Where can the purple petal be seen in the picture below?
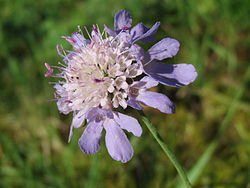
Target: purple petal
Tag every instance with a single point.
(123, 20)
(89, 142)
(165, 48)
(134, 104)
(92, 113)
(128, 123)
(111, 32)
(77, 40)
(78, 119)
(76, 123)
(70, 133)
(145, 83)
(157, 100)
(125, 38)
(69, 57)
(117, 142)
(172, 75)
(149, 82)
(136, 51)
(138, 30)
(149, 35)
(97, 114)
(63, 106)
(106, 113)
(95, 34)
(60, 90)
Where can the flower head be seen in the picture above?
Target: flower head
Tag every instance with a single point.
(103, 73)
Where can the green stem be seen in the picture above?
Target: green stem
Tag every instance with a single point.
(166, 149)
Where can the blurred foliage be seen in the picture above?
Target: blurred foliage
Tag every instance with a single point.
(211, 124)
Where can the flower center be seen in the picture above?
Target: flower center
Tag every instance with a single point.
(97, 75)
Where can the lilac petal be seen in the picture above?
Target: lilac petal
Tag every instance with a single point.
(123, 20)
(92, 113)
(63, 106)
(111, 32)
(80, 40)
(149, 82)
(117, 142)
(125, 38)
(128, 123)
(77, 40)
(89, 142)
(69, 57)
(136, 51)
(165, 48)
(60, 90)
(78, 119)
(76, 123)
(70, 133)
(106, 113)
(134, 104)
(172, 75)
(138, 30)
(97, 114)
(96, 36)
(145, 83)
(157, 100)
(149, 35)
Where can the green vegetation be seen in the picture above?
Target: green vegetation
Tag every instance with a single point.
(209, 134)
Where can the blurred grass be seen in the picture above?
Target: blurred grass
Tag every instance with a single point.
(214, 37)
(200, 165)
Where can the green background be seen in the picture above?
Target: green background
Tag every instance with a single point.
(209, 134)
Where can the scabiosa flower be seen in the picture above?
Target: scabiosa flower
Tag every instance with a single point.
(103, 73)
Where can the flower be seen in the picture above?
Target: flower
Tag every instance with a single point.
(116, 140)
(108, 71)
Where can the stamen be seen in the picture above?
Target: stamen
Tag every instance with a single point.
(50, 70)
(63, 50)
(103, 32)
(94, 28)
(98, 80)
(51, 100)
(106, 34)
(99, 32)
(123, 52)
(57, 75)
(87, 32)
(59, 50)
(64, 65)
(69, 39)
(80, 30)
(60, 68)
(60, 82)
(116, 37)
